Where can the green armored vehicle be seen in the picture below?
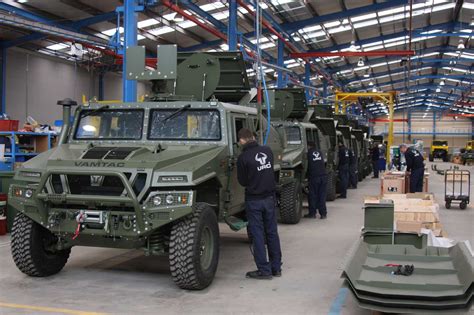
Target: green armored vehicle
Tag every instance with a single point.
(155, 175)
(290, 117)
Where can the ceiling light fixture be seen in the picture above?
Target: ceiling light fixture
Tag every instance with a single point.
(353, 47)
(442, 82)
(374, 90)
(361, 62)
(461, 44)
(178, 18)
(371, 83)
(438, 90)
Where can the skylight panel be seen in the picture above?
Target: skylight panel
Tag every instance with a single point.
(364, 17)
(366, 23)
(212, 6)
(58, 46)
(339, 29)
(147, 23)
(161, 30)
(332, 24)
(267, 45)
(373, 48)
(468, 5)
(112, 31)
(311, 29)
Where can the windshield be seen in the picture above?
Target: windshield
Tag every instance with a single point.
(110, 124)
(440, 143)
(191, 124)
(293, 135)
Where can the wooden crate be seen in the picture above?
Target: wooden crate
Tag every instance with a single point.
(417, 214)
(392, 185)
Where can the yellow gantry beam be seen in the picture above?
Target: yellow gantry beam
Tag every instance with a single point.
(344, 99)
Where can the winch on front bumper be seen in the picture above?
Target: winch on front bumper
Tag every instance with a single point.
(105, 206)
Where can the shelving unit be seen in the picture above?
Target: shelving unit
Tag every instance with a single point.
(23, 146)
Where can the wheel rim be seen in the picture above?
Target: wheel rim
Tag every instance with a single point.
(206, 248)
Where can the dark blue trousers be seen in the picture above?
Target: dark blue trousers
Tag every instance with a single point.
(353, 178)
(375, 167)
(261, 215)
(416, 180)
(343, 179)
(317, 195)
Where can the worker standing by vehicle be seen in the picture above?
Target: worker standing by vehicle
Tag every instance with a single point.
(318, 181)
(255, 172)
(375, 160)
(416, 167)
(343, 170)
(353, 180)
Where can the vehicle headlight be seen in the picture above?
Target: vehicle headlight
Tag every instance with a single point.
(31, 174)
(28, 193)
(169, 199)
(157, 201)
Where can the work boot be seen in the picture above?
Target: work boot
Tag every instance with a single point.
(257, 275)
(276, 273)
(309, 216)
(323, 217)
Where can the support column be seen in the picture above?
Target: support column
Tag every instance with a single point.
(325, 88)
(101, 86)
(3, 79)
(409, 125)
(280, 63)
(130, 32)
(434, 125)
(232, 29)
(307, 81)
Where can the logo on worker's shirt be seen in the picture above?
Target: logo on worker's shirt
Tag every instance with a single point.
(347, 153)
(316, 156)
(261, 158)
(415, 153)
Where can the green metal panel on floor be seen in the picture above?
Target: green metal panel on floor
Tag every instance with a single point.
(6, 178)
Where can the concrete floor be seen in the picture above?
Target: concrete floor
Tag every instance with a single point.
(126, 282)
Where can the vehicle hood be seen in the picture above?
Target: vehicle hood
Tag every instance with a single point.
(167, 159)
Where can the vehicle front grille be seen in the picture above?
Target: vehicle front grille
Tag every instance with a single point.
(97, 185)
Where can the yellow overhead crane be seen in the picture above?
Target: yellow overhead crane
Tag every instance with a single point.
(344, 99)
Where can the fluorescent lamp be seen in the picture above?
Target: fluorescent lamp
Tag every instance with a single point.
(371, 83)
(353, 46)
(442, 82)
(374, 90)
(361, 62)
(438, 90)
(461, 44)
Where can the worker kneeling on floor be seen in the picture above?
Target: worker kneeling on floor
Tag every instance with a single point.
(416, 167)
(318, 182)
(255, 172)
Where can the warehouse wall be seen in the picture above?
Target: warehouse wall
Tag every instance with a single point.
(423, 122)
(35, 83)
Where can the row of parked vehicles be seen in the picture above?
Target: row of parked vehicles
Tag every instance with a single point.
(159, 175)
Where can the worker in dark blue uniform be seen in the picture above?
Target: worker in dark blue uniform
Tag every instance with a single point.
(343, 170)
(255, 172)
(416, 167)
(318, 182)
(375, 153)
(353, 179)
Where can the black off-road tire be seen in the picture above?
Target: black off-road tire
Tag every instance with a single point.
(28, 241)
(186, 249)
(291, 203)
(331, 188)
